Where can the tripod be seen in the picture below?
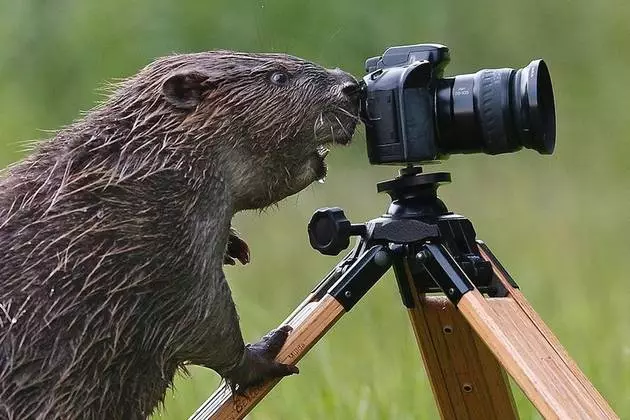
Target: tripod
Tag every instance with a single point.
(470, 319)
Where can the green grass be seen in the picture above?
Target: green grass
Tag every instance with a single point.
(559, 224)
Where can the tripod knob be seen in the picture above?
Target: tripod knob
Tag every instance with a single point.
(329, 230)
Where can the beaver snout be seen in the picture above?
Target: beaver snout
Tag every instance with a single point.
(351, 90)
(349, 86)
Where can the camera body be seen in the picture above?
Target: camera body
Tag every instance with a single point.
(399, 102)
(414, 115)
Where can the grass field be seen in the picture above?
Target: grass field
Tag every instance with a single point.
(560, 224)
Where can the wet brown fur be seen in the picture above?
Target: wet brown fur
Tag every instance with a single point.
(113, 232)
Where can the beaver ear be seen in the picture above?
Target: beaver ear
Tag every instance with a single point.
(185, 89)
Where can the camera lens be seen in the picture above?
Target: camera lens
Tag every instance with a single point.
(496, 111)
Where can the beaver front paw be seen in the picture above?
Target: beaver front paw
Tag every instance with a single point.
(258, 363)
(237, 249)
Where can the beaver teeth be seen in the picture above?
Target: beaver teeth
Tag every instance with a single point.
(322, 152)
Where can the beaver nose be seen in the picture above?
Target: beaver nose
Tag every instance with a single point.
(351, 89)
(349, 85)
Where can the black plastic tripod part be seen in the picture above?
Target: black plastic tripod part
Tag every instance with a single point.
(414, 197)
(329, 230)
(445, 272)
(412, 181)
(414, 194)
(424, 241)
(497, 264)
(368, 268)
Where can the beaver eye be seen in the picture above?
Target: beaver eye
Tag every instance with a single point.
(279, 78)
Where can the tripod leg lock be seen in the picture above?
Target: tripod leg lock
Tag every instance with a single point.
(497, 264)
(446, 273)
(361, 276)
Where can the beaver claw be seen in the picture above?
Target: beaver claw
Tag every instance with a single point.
(237, 249)
(258, 363)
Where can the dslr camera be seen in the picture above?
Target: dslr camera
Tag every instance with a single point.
(413, 114)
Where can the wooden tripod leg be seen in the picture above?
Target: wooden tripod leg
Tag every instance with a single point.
(542, 373)
(531, 353)
(467, 380)
(310, 322)
(495, 332)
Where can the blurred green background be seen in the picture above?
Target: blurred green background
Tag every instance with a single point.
(560, 224)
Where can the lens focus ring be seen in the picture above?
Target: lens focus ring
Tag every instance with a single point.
(490, 103)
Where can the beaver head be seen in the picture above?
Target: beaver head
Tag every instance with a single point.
(263, 119)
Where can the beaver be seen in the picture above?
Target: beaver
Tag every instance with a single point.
(114, 232)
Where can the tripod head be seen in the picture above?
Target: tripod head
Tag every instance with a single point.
(414, 193)
(414, 197)
(416, 231)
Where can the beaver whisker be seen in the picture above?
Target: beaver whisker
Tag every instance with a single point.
(346, 112)
(342, 127)
(316, 128)
(332, 133)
